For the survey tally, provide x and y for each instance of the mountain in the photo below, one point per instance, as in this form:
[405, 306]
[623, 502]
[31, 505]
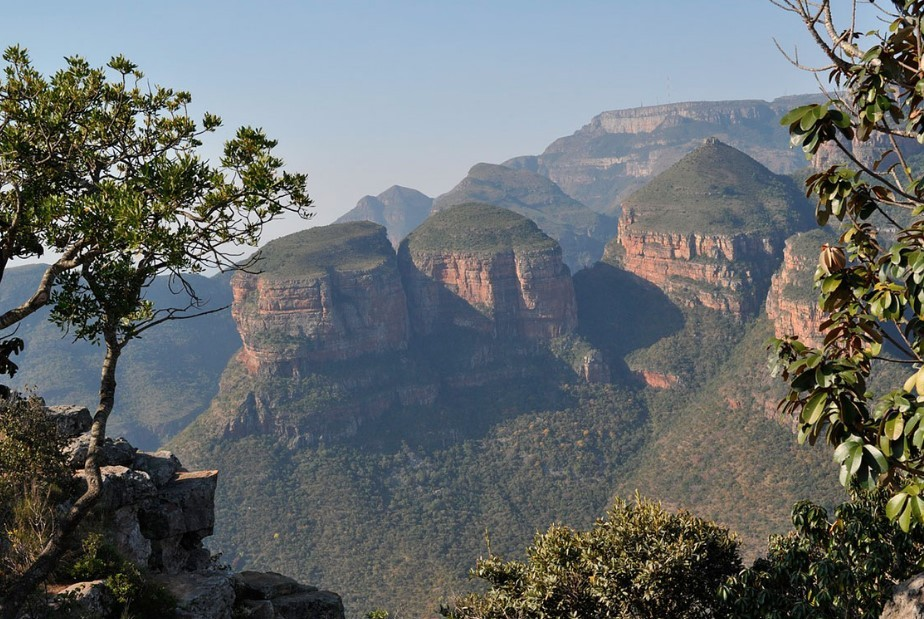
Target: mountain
[619, 151]
[166, 378]
[710, 229]
[581, 232]
[399, 209]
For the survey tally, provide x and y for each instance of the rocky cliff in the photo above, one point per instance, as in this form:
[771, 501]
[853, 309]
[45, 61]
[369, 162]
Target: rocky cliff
[619, 151]
[324, 295]
[792, 302]
[581, 233]
[157, 514]
[488, 269]
[399, 209]
[710, 230]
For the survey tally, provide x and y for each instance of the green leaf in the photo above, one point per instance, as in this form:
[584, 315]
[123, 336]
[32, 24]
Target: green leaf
[894, 427]
[895, 505]
[814, 408]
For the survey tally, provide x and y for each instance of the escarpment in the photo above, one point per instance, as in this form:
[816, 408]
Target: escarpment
[339, 331]
[618, 151]
[488, 269]
[323, 295]
[792, 302]
[710, 230]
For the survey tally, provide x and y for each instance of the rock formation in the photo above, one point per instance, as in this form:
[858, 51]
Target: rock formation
[792, 302]
[158, 513]
[323, 295]
[488, 269]
[580, 232]
[710, 230]
[399, 209]
[620, 150]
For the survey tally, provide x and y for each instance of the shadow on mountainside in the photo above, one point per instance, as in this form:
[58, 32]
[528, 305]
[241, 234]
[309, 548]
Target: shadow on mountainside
[619, 312]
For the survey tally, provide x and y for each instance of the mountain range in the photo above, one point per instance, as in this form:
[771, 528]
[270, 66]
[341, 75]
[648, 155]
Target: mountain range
[389, 392]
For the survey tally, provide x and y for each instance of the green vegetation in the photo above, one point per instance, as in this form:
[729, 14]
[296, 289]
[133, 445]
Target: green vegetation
[718, 189]
[805, 248]
[353, 246]
[844, 566]
[872, 290]
[640, 562]
[477, 229]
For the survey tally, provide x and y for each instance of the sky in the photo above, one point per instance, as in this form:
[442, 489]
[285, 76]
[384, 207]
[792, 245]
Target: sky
[362, 95]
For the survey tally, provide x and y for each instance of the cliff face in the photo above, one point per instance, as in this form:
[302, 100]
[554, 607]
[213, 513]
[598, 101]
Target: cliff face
[710, 230]
[792, 302]
[508, 288]
[618, 151]
[720, 272]
[292, 320]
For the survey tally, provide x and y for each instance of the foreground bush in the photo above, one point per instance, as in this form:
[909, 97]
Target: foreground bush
[640, 561]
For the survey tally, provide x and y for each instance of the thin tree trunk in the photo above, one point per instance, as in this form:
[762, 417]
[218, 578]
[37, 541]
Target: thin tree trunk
[15, 595]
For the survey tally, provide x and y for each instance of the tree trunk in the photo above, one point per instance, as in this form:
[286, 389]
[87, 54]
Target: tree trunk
[15, 595]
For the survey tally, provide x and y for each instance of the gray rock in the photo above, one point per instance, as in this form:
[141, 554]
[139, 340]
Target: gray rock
[309, 605]
[255, 609]
[200, 595]
[123, 486]
[266, 585]
[160, 465]
[126, 535]
[118, 452]
[907, 600]
[85, 599]
[71, 420]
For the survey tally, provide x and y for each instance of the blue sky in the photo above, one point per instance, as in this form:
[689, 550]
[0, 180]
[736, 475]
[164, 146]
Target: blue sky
[364, 95]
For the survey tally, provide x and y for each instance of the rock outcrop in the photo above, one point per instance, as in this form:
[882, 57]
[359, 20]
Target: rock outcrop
[620, 150]
[792, 302]
[158, 513]
[487, 269]
[581, 233]
[399, 209]
[710, 230]
[324, 295]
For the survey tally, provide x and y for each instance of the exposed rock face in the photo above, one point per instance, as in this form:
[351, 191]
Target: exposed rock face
[907, 600]
[158, 513]
[399, 209]
[580, 232]
[620, 150]
[792, 302]
[512, 285]
[323, 307]
[710, 230]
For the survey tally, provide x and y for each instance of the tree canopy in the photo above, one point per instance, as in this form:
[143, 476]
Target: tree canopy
[103, 172]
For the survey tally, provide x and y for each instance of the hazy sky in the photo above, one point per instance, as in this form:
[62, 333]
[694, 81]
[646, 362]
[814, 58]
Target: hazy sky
[364, 95]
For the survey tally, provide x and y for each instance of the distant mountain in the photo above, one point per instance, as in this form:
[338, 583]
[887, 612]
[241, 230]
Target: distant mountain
[620, 150]
[399, 209]
[581, 232]
[165, 378]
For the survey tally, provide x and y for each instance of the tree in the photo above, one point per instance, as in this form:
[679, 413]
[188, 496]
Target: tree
[105, 174]
[843, 567]
[641, 561]
[871, 283]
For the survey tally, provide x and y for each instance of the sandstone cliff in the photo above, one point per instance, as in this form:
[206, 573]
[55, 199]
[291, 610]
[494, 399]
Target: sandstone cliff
[487, 269]
[792, 302]
[580, 232]
[399, 209]
[326, 294]
[620, 150]
[710, 230]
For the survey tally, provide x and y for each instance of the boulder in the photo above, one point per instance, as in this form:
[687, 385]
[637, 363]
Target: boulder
[85, 599]
[313, 604]
[907, 600]
[160, 465]
[114, 452]
[200, 595]
[71, 420]
[266, 585]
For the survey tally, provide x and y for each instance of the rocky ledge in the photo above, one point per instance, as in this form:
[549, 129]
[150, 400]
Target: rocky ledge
[157, 515]
[792, 302]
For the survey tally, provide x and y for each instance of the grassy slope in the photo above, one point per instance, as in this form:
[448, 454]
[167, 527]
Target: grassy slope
[720, 190]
